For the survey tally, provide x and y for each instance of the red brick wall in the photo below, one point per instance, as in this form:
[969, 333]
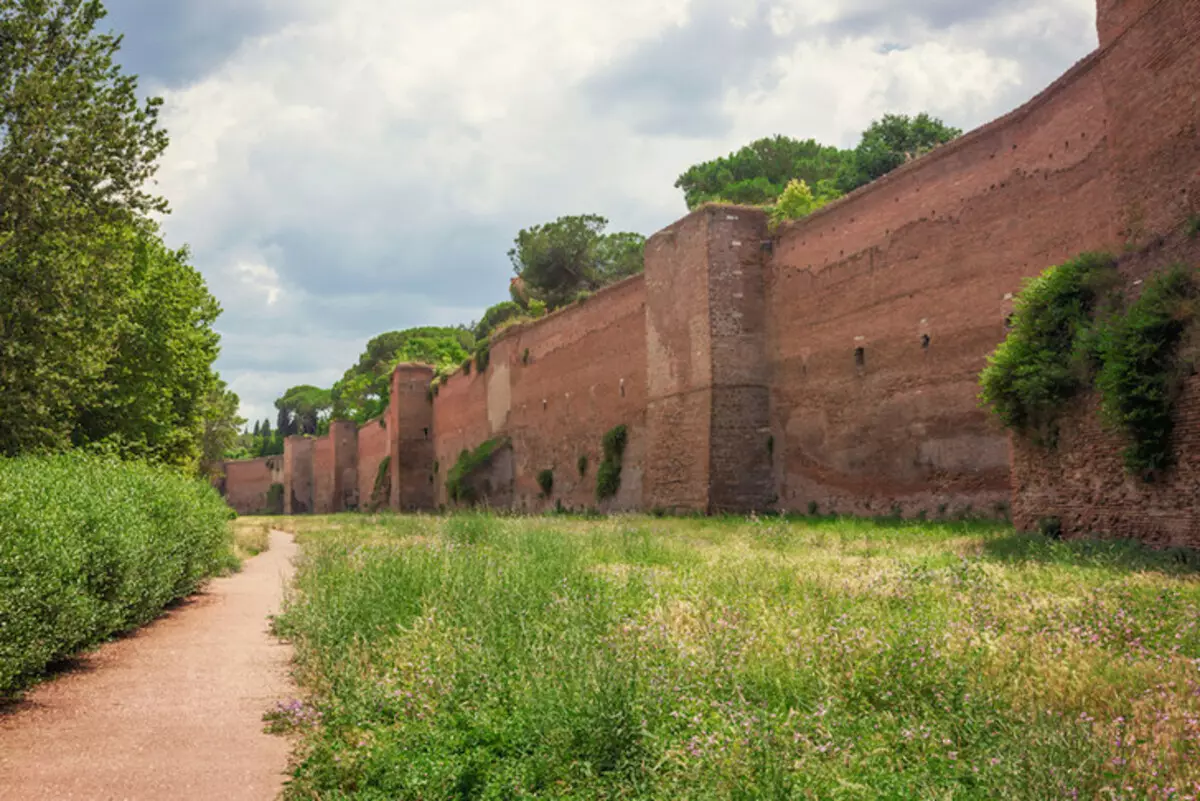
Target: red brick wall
[373, 447]
[323, 475]
[298, 475]
[410, 425]
[585, 373]
[1152, 85]
[248, 483]
[935, 249]
[1083, 481]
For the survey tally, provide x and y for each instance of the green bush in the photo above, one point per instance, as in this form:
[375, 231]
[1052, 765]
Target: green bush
[608, 477]
[458, 481]
[483, 356]
[1045, 360]
[545, 480]
[1141, 375]
[91, 548]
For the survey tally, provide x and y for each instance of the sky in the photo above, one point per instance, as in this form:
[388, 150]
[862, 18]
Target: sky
[342, 168]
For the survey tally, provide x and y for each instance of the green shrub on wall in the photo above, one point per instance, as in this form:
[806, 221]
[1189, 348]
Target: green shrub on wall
[545, 480]
[483, 357]
[1141, 373]
[608, 476]
[458, 480]
[1071, 333]
[91, 548]
[1045, 360]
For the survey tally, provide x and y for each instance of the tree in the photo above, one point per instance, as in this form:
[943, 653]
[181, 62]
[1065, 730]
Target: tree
[557, 261]
[155, 392]
[495, 317]
[757, 174]
[364, 391]
[301, 410]
[890, 142]
[798, 200]
[222, 424]
[77, 150]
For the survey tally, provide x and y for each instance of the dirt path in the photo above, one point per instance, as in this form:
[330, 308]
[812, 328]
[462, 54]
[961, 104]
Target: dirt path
[173, 712]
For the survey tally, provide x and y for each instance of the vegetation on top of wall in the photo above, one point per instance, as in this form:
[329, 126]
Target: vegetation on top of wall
[608, 477]
[483, 356]
[1045, 359]
[1141, 373]
[470, 462]
[90, 548]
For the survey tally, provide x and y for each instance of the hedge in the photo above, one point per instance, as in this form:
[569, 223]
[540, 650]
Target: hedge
[91, 548]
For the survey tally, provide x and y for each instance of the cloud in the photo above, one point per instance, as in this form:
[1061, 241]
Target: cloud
[342, 168]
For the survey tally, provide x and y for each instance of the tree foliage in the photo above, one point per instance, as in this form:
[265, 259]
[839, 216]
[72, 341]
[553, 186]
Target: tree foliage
[889, 143]
[759, 173]
[105, 334]
[222, 424]
[1043, 362]
[302, 409]
[559, 260]
[798, 200]
[363, 392]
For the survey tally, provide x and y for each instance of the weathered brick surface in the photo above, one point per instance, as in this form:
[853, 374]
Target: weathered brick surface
[1083, 481]
[335, 469]
[410, 424]
[298, 475]
[373, 448]
[554, 387]
[934, 250]
[248, 483]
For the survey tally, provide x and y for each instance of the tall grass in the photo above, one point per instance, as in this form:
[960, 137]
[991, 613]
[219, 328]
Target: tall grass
[481, 658]
[90, 548]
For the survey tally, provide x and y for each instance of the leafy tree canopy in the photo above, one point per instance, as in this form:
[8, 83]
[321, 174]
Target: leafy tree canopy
[221, 427]
[363, 392]
[302, 409]
[558, 261]
[105, 334]
[757, 174]
[889, 143]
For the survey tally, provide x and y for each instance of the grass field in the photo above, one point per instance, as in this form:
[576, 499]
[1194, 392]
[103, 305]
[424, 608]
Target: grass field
[486, 658]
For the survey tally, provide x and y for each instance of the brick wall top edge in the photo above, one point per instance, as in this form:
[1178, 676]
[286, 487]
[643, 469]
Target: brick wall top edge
[706, 210]
[627, 284]
[414, 367]
[260, 460]
[1081, 67]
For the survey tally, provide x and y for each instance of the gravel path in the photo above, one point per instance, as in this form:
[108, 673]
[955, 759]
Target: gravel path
[172, 712]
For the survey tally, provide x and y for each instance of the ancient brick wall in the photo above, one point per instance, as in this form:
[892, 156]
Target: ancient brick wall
[1151, 75]
[555, 387]
[373, 448]
[298, 475]
[1083, 483]
[323, 475]
[410, 424]
[248, 484]
[883, 307]
[708, 379]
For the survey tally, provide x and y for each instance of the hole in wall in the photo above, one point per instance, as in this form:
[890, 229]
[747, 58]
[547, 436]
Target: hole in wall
[860, 357]
[545, 405]
[925, 341]
[622, 387]
[427, 433]
[1008, 322]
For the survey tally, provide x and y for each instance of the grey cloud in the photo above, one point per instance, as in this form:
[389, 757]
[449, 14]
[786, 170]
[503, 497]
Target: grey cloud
[173, 42]
[674, 84]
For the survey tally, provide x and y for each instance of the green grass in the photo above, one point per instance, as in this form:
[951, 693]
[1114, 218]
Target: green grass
[90, 549]
[474, 657]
